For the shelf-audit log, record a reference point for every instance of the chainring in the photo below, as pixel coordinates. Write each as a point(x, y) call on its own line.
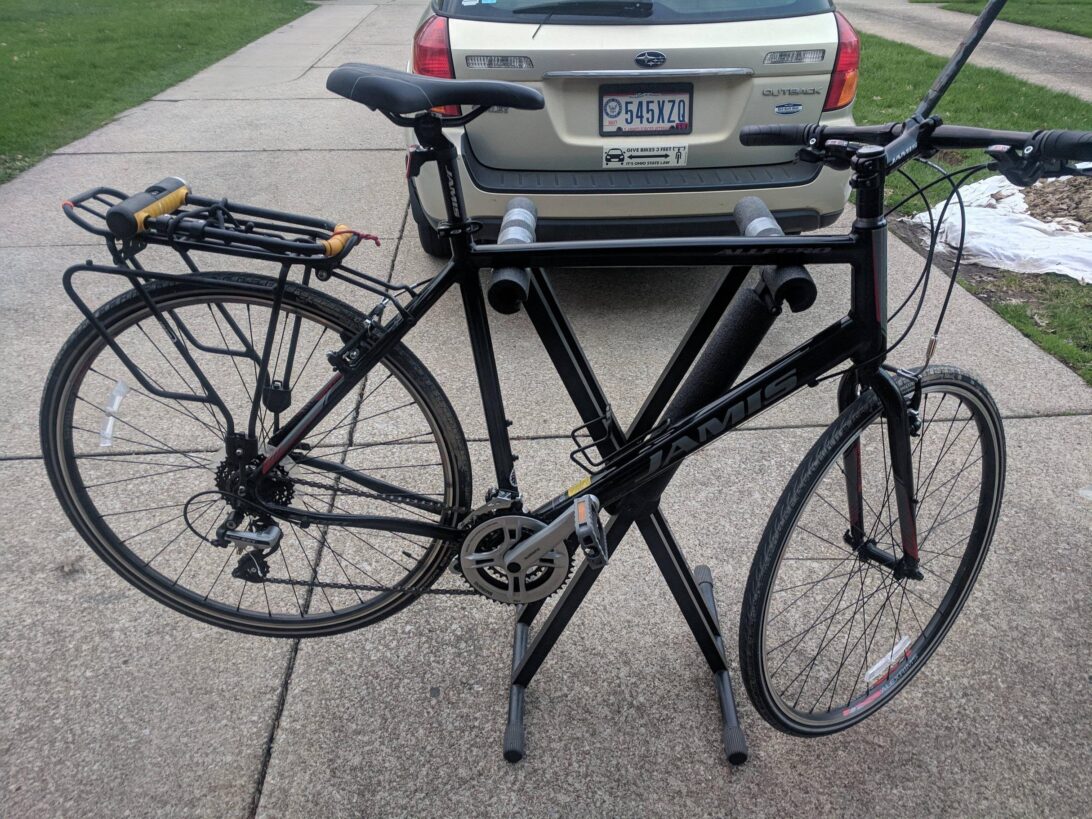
point(481, 561)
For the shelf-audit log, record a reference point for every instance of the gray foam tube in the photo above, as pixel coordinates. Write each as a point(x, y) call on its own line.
point(790, 283)
point(510, 286)
point(754, 219)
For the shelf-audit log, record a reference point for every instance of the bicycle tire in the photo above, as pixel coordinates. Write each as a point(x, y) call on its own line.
point(770, 685)
point(77, 358)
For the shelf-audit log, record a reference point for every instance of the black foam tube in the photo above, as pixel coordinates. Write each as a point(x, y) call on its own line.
point(740, 331)
point(792, 284)
point(510, 286)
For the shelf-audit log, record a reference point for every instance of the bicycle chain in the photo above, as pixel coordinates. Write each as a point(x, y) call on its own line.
point(330, 584)
point(406, 499)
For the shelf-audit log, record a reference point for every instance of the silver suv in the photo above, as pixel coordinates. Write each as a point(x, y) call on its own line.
point(644, 101)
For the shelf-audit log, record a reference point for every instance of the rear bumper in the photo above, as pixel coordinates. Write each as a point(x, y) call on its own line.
point(555, 230)
point(615, 203)
point(655, 180)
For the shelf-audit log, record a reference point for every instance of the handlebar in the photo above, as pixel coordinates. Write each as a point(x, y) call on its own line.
point(900, 139)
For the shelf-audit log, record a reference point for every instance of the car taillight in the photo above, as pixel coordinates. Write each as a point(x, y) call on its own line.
point(432, 56)
point(843, 82)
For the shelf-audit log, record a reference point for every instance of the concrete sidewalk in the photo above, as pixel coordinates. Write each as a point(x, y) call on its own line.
point(116, 706)
point(1059, 61)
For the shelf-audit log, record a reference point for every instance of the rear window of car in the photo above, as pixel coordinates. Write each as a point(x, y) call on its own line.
point(663, 11)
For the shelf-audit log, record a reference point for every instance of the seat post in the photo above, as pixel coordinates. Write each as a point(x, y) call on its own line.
point(430, 134)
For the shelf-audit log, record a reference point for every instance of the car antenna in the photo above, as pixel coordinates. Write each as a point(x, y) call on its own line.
point(543, 22)
point(963, 53)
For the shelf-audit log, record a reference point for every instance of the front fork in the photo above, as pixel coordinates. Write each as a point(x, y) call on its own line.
point(902, 424)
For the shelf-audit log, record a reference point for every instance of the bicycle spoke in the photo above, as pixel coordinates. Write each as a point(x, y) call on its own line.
point(836, 624)
point(144, 493)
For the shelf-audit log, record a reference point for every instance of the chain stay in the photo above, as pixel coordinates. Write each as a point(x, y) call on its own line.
point(278, 581)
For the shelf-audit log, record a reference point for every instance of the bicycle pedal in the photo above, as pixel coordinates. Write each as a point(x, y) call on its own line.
point(588, 531)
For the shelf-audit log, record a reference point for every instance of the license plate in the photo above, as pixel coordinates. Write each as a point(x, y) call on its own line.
point(646, 109)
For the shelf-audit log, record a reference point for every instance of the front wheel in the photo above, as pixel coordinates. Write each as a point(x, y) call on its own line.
point(828, 634)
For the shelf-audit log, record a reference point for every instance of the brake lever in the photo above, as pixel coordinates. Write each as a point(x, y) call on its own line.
point(1016, 166)
point(835, 153)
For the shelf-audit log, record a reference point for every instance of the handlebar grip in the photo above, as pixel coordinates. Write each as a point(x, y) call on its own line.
point(126, 219)
point(1074, 146)
point(776, 134)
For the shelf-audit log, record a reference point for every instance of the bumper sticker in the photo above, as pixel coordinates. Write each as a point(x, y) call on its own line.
point(644, 156)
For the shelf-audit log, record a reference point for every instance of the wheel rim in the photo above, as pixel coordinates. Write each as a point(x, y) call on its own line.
point(166, 460)
point(840, 636)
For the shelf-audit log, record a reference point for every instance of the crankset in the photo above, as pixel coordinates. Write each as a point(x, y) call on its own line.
point(518, 559)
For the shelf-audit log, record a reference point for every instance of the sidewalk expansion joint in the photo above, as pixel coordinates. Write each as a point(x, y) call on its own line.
point(278, 712)
point(340, 41)
point(564, 436)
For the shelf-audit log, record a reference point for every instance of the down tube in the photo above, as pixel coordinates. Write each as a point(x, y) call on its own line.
point(761, 391)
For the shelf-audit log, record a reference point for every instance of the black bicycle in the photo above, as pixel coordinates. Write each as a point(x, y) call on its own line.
point(262, 456)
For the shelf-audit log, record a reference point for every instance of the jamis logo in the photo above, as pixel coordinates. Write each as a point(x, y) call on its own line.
point(728, 418)
point(453, 194)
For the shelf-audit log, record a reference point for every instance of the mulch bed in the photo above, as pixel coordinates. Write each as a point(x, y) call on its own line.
point(1063, 199)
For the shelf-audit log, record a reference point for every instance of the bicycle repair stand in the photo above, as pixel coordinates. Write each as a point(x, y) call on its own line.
point(694, 596)
point(733, 328)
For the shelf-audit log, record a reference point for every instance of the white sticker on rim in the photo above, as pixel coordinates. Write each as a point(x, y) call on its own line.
point(879, 672)
point(110, 412)
point(644, 156)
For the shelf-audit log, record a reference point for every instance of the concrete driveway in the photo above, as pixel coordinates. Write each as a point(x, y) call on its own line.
point(115, 706)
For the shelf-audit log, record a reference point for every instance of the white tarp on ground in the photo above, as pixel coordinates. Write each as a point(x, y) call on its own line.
point(1001, 233)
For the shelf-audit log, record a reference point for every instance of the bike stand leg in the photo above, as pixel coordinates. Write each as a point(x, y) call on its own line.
point(735, 744)
point(513, 730)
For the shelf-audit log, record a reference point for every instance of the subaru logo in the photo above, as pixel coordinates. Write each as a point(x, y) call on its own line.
point(650, 59)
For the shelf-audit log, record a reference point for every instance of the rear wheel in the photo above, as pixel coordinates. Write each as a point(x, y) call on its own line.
point(146, 481)
point(828, 634)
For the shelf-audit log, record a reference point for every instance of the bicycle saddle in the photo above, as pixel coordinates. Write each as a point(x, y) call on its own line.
point(397, 92)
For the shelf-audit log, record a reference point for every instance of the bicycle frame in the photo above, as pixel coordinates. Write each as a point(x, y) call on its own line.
point(645, 451)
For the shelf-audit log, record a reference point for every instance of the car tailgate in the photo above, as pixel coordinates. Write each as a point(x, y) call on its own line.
point(725, 63)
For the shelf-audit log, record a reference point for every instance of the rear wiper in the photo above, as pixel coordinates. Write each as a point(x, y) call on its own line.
point(591, 8)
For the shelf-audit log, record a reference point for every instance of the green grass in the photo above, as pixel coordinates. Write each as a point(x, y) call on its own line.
point(1072, 16)
point(68, 66)
point(894, 77)
point(1053, 311)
